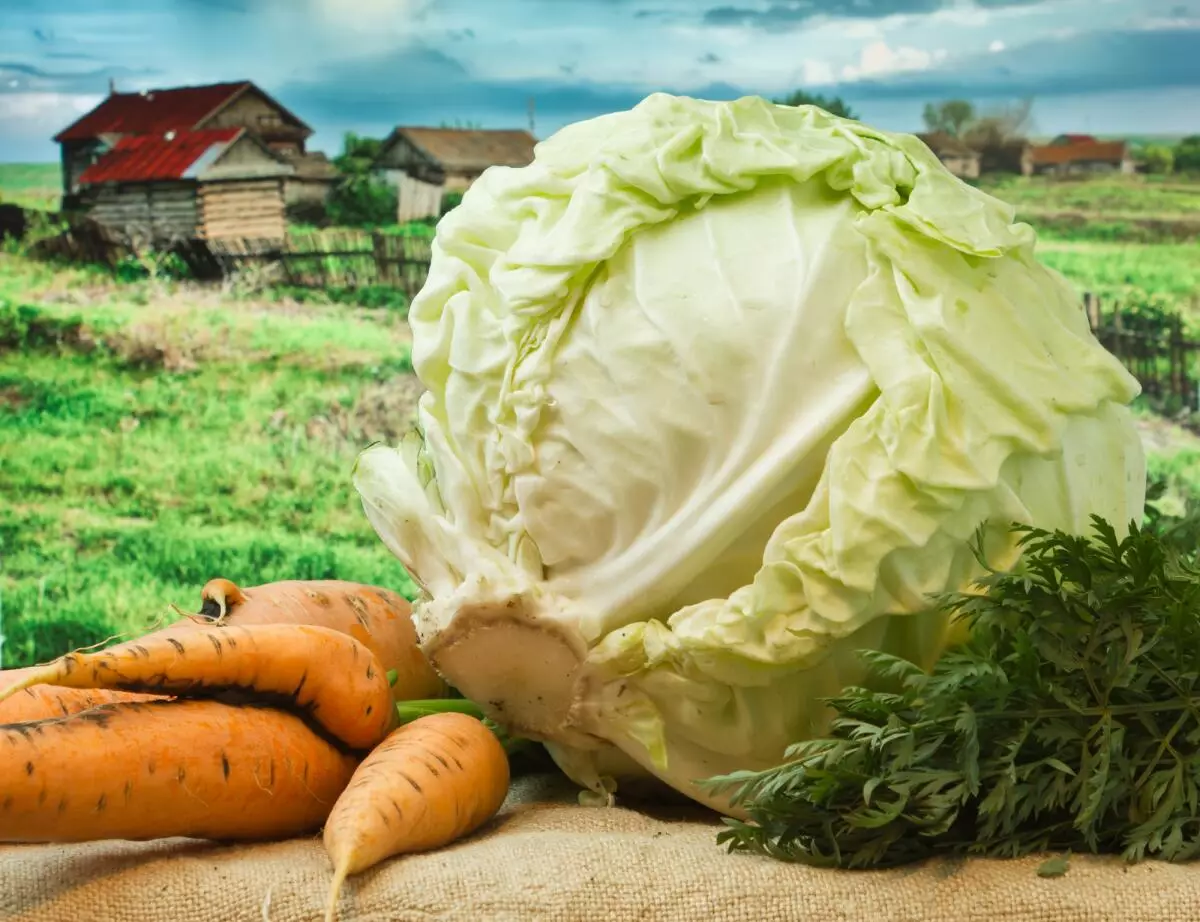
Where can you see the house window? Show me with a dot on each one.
(270, 121)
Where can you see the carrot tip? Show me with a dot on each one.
(41, 676)
(335, 891)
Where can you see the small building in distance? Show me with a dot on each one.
(1078, 154)
(154, 113)
(425, 163)
(1011, 155)
(211, 183)
(954, 153)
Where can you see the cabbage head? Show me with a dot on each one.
(716, 395)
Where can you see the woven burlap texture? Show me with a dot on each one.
(546, 858)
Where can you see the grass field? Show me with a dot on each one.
(31, 185)
(155, 436)
(151, 439)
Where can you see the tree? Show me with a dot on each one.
(360, 199)
(834, 105)
(1187, 155)
(1158, 158)
(1000, 125)
(952, 116)
(358, 154)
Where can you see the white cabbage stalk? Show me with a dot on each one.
(716, 395)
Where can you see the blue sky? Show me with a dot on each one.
(1102, 66)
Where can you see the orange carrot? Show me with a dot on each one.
(326, 675)
(200, 769)
(429, 783)
(377, 618)
(41, 701)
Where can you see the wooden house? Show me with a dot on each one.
(240, 105)
(1074, 155)
(210, 183)
(425, 163)
(1012, 155)
(957, 156)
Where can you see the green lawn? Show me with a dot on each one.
(153, 438)
(1110, 269)
(1117, 196)
(31, 185)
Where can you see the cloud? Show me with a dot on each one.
(996, 46)
(1074, 63)
(878, 59)
(18, 77)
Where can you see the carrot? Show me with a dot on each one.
(41, 701)
(429, 783)
(138, 771)
(325, 675)
(377, 618)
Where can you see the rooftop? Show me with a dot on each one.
(472, 149)
(173, 155)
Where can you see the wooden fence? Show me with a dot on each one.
(327, 260)
(322, 259)
(1154, 346)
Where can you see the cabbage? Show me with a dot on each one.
(717, 394)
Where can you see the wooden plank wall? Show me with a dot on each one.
(417, 199)
(249, 208)
(160, 211)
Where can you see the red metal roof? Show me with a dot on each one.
(153, 112)
(142, 158)
(1083, 151)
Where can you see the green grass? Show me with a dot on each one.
(1113, 269)
(1135, 197)
(31, 185)
(152, 438)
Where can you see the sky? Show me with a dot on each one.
(1096, 66)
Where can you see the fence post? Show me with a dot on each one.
(379, 249)
(1091, 304)
(1118, 333)
(1178, 358)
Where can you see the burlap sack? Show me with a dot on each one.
(546, 858)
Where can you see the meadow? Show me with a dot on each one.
(157, 434)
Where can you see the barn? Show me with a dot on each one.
(1074, 154)
(212, 183)
(239, 104)
(425, 163)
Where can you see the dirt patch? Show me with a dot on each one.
(1180, 229)
(156, 345)
(11, 399)
(381, 412)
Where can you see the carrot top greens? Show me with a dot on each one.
(1070, 721)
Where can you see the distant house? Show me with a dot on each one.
(1006, 156)
(424, 163)
(1076, 154)
(957, 157)
(210, 183)
(216, 106)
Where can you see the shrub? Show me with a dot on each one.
(362, 201)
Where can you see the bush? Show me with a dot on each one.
(451, 200)
(1187, 155)
(308, 213)
(362, 201)
(26, 327)
(1158, 159)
